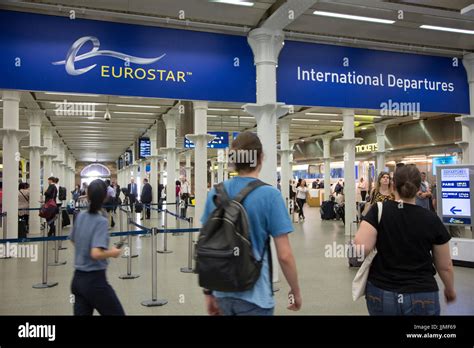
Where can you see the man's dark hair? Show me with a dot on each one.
(51, 178)
(55, 180)
(247, 141)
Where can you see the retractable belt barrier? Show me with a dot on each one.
(154, 301)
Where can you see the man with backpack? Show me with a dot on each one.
(233, 250)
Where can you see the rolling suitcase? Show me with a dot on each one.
(327, 210)
(22, 228)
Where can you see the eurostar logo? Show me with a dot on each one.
(72, 57)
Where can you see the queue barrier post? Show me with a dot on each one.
(44, 281)
(128, 254)
(165, 237)
(56, 242)
(154, 302)
(129, 243)
(189, 268)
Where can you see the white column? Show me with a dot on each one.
(35, 117)
(162, 171)
(468, 121)
(327, 165)
(349, 143)
(48, 155)
(380, 133)
(200, 140)
(152, 134)
(11, 136)
(213, 173)
(220, 165)
(170, 122)
(266, 45)
(188, 168)
(285, 152)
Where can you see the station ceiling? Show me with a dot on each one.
(100, 140)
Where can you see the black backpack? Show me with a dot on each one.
(62, 193)
(224, 256)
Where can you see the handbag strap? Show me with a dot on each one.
(24, 196)
(379, 209)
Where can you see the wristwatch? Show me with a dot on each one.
(207, 292)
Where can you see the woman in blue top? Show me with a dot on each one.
(91, 240)
(267, 216)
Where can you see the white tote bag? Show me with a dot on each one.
(360, 280)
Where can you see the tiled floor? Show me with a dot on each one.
(325, 282)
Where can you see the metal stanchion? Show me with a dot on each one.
(189, 268)
(165, 237)
(129, 237)
(61, 230)
(154, 302)
(129, 256)
(4, 225)
(44, 283)
(56, 243)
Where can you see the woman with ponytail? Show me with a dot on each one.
(91, 240)
(412, 244)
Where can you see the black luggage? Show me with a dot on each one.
(138, 207)
(66, 221)
(327, 210)
(340, 211)
(22, 227)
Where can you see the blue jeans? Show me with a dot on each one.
(383, 302)
(235, 306)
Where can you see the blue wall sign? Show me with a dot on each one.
(221, 141)
(87, 56)
(315, 75)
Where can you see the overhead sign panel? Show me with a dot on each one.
(221, 141)
(396, 83)
(86, 56)
(454, 194)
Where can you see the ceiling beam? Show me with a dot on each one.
(286, 13)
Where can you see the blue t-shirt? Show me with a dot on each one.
(267, 215)
(89, 231)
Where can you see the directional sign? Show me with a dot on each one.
(454, 205)
(221, 141)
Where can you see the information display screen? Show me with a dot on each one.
(440, 161)
(454, 196)
(144, 147)
(221, 141)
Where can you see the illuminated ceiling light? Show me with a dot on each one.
(74, 94)
(336, 121)
(304, 120)
(352, 17)
(212, 109)
(133, 113)
(139, 106)
(211, 116)
(320, 114)
(368, 116)
(364, 128)
(453, 30)
(234, 2)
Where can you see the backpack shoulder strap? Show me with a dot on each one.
(247, 189)
(221, 197)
